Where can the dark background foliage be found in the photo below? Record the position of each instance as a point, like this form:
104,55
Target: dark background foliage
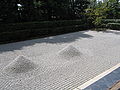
40,10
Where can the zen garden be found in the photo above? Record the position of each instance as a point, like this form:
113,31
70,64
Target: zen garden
59,44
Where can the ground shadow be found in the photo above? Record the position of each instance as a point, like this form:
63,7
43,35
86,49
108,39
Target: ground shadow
65,38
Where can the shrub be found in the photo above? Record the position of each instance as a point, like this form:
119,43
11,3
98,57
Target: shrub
105,21
38,25
114,26
35,33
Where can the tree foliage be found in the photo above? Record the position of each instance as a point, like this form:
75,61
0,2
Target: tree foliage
101,10
36,10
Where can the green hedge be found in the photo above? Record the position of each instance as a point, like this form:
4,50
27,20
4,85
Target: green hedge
37,25
114,26
105,21
34,33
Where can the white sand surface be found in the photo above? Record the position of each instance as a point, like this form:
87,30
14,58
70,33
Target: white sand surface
60,62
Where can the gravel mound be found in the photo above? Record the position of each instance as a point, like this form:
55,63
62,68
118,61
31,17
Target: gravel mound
69,52
20,65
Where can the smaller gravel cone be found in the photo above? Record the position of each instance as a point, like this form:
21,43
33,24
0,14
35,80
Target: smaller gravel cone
69,52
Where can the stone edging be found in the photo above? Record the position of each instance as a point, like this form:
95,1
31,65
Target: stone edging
85,85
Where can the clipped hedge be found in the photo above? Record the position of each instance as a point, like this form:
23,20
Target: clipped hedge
114,26
105,21
25,34
37,25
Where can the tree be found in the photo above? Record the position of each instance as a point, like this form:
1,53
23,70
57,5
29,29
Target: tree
9,10
95,15
27,12
114,7
35,10
63,9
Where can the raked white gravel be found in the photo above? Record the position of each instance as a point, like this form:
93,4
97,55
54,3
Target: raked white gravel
88,53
